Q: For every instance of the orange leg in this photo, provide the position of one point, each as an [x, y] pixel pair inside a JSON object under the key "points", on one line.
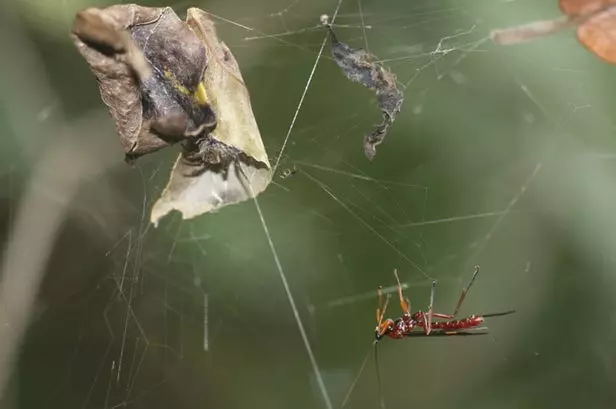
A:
{"points": [[380, 309], [384, 327], [405, 304]]}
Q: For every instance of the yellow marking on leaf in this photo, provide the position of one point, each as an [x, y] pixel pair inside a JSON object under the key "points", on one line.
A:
{"points": [[200, 94]]}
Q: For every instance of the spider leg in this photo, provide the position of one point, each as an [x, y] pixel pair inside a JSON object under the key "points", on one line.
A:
{"points": [[241, 175]]}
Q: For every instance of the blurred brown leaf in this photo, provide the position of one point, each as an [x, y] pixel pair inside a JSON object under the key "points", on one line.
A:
{"points": [[578, 7], [594, 20], [597, 32]]}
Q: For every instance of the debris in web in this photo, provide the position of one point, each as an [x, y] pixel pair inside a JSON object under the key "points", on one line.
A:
{"points": [[166, 81], [360, 66], [595, 21], [287, 173]]}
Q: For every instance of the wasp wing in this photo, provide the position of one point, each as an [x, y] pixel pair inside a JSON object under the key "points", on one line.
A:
{"points": [[444, 333]]}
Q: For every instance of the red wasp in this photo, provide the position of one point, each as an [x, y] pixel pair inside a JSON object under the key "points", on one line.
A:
{"points": [[404, 326]]}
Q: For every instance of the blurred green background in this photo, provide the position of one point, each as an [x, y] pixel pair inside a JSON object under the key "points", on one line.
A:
{"points": [[501, 156]]}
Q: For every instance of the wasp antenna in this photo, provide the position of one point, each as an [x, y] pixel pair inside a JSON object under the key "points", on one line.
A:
{"points": [[498, 314], [378, 307]]}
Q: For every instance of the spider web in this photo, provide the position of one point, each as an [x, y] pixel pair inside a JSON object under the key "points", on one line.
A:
{"points": [[501, 157]]}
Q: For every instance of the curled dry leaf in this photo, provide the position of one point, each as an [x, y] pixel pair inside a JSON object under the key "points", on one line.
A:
{"points": [[595, 21], [232, 164], [360, 66], [149, 66], [167, 81]]}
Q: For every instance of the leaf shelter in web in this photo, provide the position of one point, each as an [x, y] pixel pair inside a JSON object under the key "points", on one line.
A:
{"points": [[149, 66], [168, 81], [360, 66]]}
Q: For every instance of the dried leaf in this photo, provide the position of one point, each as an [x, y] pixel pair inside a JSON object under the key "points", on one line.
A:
{"points": [[595, 21], [167, 81], [597, 32], [579, 7], [235, 166], [154, 106], [359, 66]]}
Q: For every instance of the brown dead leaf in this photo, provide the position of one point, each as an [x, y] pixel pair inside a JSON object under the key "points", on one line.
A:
{"points": [[167, 81], [597, 32], [594, 20], [137, 86], [580, 7], [231, 165]]}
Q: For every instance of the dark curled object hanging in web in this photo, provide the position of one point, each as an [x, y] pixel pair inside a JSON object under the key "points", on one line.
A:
{"points": [[358, 65]]}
